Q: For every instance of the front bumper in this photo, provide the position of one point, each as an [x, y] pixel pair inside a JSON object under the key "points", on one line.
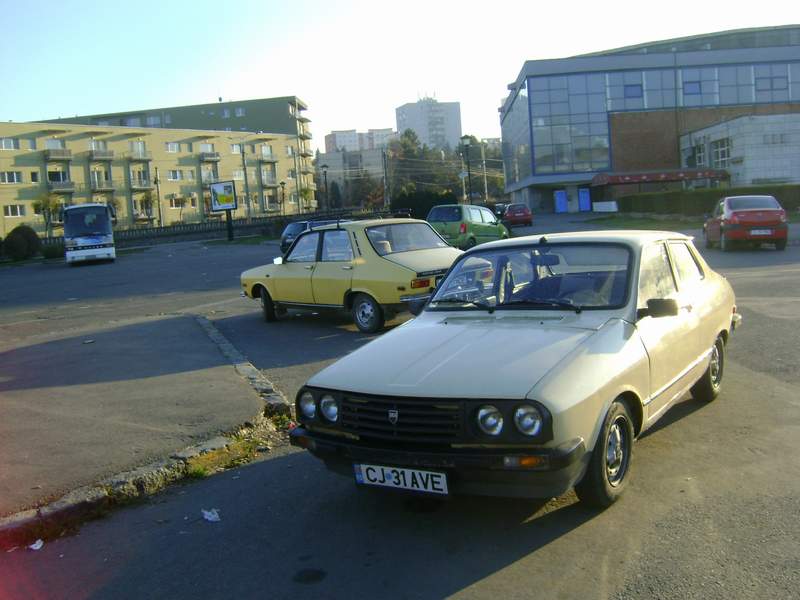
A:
{"points": [[478, 471], [99, 252]]}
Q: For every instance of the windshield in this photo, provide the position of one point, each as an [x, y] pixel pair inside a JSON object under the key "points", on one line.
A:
{"points": [[403, 237], [84, 221], [294, 228], [753, 202], [444, 214], [539, 276]]}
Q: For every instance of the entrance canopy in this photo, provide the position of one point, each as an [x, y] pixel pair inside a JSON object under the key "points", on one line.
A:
{"points": [[658, 176]]}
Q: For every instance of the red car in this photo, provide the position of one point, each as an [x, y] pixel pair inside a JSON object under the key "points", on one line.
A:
{"points": [[518, 214], [750, 219]]}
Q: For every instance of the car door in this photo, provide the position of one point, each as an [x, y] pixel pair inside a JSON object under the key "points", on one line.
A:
{"points": [[714, 224], [333, 272], [476, 224], [293, 277], [664, 338], [493, 228], [695, 298]]}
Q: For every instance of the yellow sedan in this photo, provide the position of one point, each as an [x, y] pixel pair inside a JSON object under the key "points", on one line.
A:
{"points": [[373, 269]]}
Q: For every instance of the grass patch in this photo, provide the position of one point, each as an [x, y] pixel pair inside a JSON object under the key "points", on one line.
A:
{"points": [[626, 222], [197, 472], [281, 422], [253, 240]]}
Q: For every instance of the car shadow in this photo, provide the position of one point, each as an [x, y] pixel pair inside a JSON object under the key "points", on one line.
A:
{"points": [[681, 410]]}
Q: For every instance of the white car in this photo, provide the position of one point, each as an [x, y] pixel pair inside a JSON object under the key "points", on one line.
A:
{"points": [[533, 368]]}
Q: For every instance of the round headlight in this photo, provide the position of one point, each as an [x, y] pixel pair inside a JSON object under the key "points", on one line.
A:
{"points": [[528, 420], [329, 408], [307, 405], [490, 420]]}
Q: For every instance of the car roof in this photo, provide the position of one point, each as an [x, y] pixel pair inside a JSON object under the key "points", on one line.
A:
{"points": [[85, 205], [629, 237], [350, 225], [759, 196]]}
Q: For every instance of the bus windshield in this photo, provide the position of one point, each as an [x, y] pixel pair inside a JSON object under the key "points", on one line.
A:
{"points": [[86, 221]]}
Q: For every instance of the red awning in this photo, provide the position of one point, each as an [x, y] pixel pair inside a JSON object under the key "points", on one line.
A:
{"points": [[657, 176]]}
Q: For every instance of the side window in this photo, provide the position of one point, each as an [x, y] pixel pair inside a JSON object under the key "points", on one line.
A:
{"points": [[720, 209], [488, 217], [336, 246], [305, 250], [475, 215], [689, 271], [655, 275]]}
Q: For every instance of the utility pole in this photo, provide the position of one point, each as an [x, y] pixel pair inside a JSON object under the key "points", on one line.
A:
{"points": [[466, 141], [387, 200], [157, 181], [325, 178], [483, 164], [463, 179], [246, 184]]}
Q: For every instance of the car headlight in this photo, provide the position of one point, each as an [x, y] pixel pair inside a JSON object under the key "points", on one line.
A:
{"points": [[329, 408], [528, 420], [490, 420], [307, 405]]}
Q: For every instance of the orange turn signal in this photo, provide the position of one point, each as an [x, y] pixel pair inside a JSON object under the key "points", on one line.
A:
{"points": [[420, 283]]}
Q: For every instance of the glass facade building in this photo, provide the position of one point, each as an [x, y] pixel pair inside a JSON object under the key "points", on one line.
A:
{"points": [[556, 123]]}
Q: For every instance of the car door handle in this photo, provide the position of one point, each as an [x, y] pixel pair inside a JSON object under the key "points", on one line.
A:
{"points": [[347, 268], [309, 267]]}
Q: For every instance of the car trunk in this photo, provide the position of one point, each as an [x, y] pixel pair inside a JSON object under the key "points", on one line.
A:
{"points": [[758, 216]]}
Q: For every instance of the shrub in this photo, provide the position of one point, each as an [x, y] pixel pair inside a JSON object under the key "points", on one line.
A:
{"points": [[53, 250], [22, 243], [699, 202]]}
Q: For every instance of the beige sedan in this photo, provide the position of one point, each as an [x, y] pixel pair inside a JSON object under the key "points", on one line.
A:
{"points": [[534, 367]]}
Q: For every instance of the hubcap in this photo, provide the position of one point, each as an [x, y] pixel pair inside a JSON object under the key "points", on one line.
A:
{"points": [[365, 313], [616, 452], [716, 366]]}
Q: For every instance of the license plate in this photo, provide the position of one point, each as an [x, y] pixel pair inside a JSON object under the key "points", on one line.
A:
{"points": [[761, 232], [430, 482], [91, 256]]}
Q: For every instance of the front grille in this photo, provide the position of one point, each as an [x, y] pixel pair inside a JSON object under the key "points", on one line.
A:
{"points": [[422, 420]]}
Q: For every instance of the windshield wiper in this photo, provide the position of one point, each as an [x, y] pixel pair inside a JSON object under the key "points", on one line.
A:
{"points": [[548, 302], [476, 303]]}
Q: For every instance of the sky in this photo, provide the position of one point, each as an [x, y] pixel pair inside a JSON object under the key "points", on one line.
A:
{"points": [[352, 62]]}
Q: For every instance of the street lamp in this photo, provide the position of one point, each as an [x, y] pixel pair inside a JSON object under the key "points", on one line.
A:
{"points": [[283, 198], [465, 141], [325, 178]]}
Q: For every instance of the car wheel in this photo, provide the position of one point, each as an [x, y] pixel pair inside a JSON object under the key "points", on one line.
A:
{"points": [[708, 386], [267, 307], [780, 245], [724, 243], [609, 467], [367, 314], [709, 243], [471, 243]]}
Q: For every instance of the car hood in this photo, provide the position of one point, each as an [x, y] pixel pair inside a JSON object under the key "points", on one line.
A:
{"points": [[443, 356], [420, 261]]}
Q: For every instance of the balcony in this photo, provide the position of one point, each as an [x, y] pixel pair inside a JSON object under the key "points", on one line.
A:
{"points": [[305, 135], [100, 155], [140, 155], [267, 158], [207, 181], [102, 185], [61, 187], [55, 154], [141, 183], [307, 170], [269, 181], [307, 152], [209, 157]]}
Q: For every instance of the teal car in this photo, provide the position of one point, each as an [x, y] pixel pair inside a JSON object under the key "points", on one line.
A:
{"points": [[465, 226]]}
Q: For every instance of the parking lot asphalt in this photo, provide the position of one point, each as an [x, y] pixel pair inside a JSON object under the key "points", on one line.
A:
{"points": [[711, 512]]}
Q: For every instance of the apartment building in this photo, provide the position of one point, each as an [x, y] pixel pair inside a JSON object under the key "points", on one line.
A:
{"points": [[437, 124], [352, 141], [152, 176]]}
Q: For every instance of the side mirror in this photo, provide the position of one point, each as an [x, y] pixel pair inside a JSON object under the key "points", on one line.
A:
{"points": [[660, 307], [415, 307], [278, 260]]}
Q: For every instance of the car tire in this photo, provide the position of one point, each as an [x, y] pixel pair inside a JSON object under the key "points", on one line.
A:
{"points": [[724, 243], [607, 477], [267, 307], [780, 245], [367, 313], [471, 243], [708, 386], [709, 243]]}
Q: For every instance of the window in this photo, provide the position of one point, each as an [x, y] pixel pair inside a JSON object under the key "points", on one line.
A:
{"points": [[57, 176], [766, 84], [136, 147], [236, 148], [153, 121], [226, 113], [177, 202], [190, 175], [655, 275], [103, 122], [403, 237], [54, 144], [9, 144], [488, 217], [700, 155], [132, 122], [206, 147], [305, 249], [167, 119], [32, 143], [291, 109], [252, 148], [293, 198], [633, 91], [691, 88], [721, 153], [34, 176], [10, 177], [238, 174], [291, 174], [266, 150], [776, 138], [174, 175], [173, 146], [289, 150], [475, 215], [688, 270], [98, 145], [336, 246], [239, 111], [14, 210]]}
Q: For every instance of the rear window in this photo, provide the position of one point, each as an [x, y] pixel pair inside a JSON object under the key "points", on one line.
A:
{"points": [[444, 214], [294, 228], [745, 202]]}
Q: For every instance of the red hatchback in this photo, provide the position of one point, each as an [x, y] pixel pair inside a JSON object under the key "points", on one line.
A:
{"points": [[518, 214], [750, 219]]}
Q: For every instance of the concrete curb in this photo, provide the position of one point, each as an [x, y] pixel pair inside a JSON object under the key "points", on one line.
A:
{"points": [[275, 402]]}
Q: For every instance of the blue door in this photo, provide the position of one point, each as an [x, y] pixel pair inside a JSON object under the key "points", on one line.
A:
{"points": [[561, 201], [584, 200]]}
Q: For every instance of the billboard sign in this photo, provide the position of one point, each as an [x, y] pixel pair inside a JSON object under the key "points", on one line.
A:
{"points": [[223, 196]]}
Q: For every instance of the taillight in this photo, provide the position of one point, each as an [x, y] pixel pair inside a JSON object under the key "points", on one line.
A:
{"points": [[782, 216], [733, 218], [420, 283], [463, 228]]}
